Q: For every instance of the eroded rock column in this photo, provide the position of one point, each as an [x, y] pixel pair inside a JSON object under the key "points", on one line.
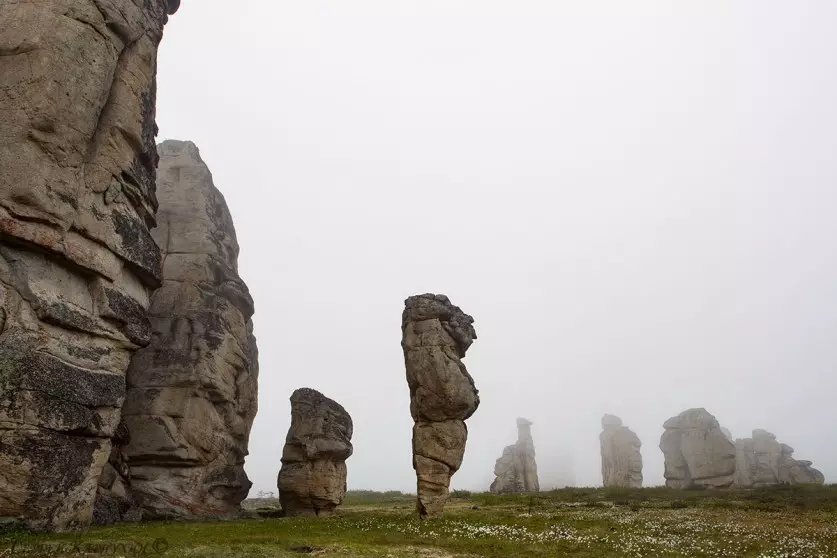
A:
{"points": [[192, 392], [516, 470], [435, 337], [312, 480], [77, 262], [697, 452], [621, 457]]}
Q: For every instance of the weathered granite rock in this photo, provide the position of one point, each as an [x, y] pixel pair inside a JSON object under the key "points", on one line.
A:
{"points": [[77, 262], [516, 470], [312, 480], [795, 471], [763, 461], [191, 396], [697, 453], [621, 457], [114, 501], [435, 337]]}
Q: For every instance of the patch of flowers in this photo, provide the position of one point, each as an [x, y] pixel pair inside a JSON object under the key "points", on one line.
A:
{"points": [[649, 533]]}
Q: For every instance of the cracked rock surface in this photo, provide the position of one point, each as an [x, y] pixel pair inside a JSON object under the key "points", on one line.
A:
{"points": [[77, 261], [191, 393], [435, 337]]}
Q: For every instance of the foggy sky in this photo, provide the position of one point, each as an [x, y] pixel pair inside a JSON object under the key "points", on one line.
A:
{"points": [[635, 200]]}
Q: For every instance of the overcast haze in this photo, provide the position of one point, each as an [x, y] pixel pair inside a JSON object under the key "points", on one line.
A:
{"points": [[635, 200]]}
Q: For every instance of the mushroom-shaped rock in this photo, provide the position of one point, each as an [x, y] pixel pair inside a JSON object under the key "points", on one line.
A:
{"points": [[621, 457], [435, 337], [312, 480]]}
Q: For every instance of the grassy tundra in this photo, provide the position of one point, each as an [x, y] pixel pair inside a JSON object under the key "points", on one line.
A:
{"points": [[776, 522]]}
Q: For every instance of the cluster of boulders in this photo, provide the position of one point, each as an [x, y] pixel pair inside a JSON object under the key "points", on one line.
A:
{"points": [[700, 453], [762, 461], [516, 470]]}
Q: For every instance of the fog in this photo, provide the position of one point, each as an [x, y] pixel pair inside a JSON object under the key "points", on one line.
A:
{"points": [[635, 200]]}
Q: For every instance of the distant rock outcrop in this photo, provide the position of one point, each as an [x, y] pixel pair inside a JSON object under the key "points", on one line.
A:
{"points": [[763, 461], [621, 457], [312, 480], [516, 470], [77, 262], [697, 453], [435, 337], [192, 392]]}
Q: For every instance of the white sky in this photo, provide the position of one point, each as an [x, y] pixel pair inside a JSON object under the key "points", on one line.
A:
{"points": [[635, 200]]}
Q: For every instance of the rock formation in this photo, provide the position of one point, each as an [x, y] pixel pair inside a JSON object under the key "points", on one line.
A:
{"points": [[697, 453], [516, 470], [795, 471], [191, 395], [77, 262], [114, 501], [312, 480], [435, 337], [763, 461], [621, 457]]}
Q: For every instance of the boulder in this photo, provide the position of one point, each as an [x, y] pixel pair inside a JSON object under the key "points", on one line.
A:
{"points": [[192, 392], [77, 260], [516, 470], [621, 457], [697, 453], [763, 461], [435, 337], [312, 480]]}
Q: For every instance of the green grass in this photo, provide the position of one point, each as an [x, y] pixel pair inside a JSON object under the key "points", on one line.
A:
{"points": [[796, 522]]}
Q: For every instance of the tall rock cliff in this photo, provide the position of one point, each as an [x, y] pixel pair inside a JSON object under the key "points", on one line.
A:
{"points": [[192, 392], [77, 262], [621, 457], [697, 452], [435, 337], [516, 470]]}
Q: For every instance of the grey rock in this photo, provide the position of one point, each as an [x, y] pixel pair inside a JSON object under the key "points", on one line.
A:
{"points": [[621, 457], [435, 337], [762, 461], [697, 453], [312, 480], [77, 260], [516, 470], [191, 394]]}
